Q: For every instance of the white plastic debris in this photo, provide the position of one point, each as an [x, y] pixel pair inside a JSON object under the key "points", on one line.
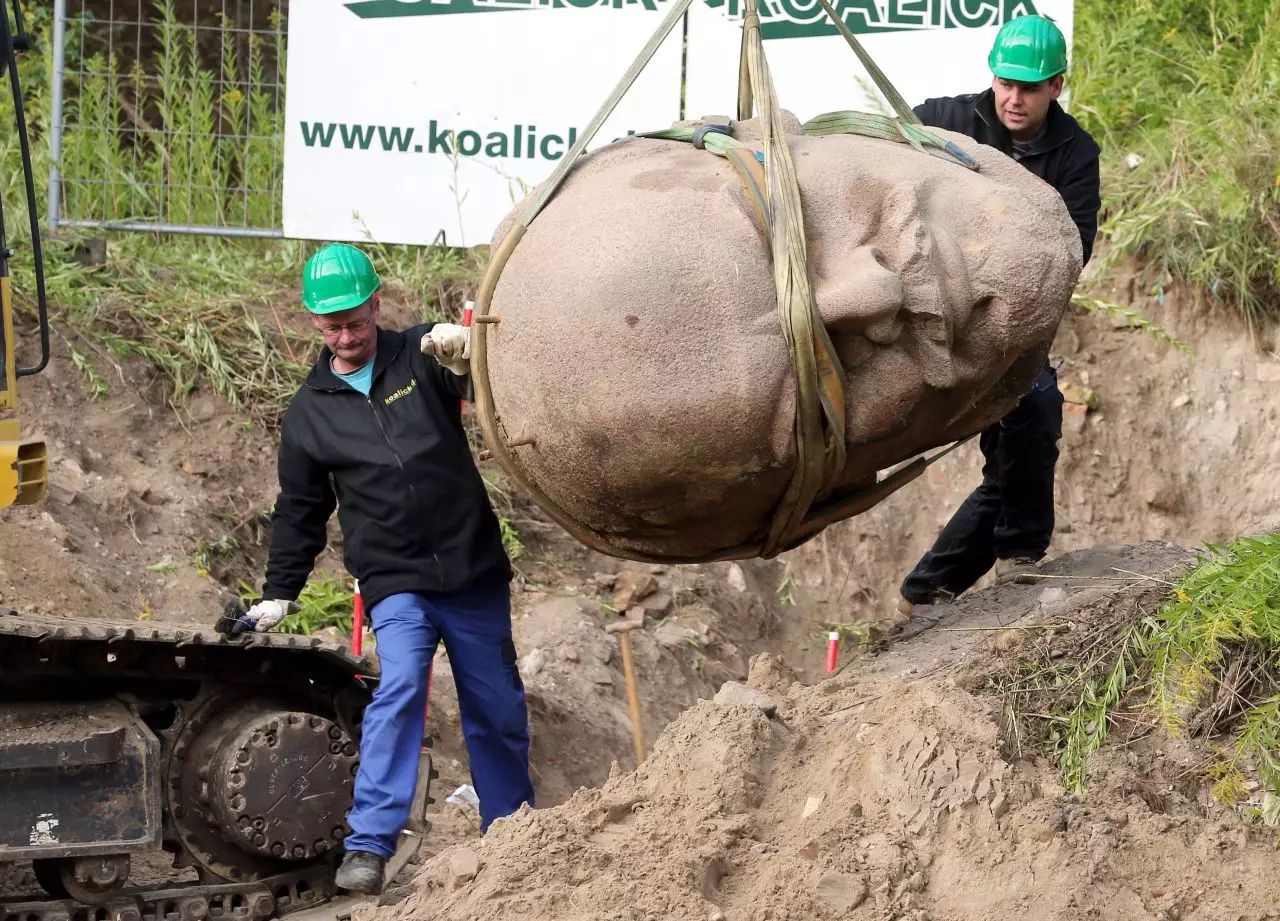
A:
{"points": [[464, 796]]}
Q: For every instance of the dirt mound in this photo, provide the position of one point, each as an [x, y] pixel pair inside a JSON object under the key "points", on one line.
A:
{"points": [[885, 791]]}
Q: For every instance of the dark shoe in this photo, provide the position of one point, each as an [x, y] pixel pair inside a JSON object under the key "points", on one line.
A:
{"points": [[1021, 569], [361, 872]]}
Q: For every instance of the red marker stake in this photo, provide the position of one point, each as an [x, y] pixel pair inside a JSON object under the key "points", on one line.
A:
{"points": [[467, 312], [833, 650], [357, 622]]}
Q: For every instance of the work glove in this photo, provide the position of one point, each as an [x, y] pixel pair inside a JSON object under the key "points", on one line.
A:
{"points": [[261, 617], [266, 614], [450, 345]]}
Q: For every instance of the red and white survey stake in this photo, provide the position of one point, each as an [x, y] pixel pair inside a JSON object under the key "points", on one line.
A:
{"points": [[833, 650], [357, 637], [468, 311], [357, 622]]}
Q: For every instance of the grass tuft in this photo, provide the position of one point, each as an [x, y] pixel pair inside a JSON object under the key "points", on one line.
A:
{"points": [[1181, 96], [1204, 665]]}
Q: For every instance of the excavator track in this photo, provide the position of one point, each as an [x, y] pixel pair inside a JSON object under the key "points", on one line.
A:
{"points": [[235, 755]]}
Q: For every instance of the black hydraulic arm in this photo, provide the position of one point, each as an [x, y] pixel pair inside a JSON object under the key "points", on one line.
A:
{"points": [[11, 42]]}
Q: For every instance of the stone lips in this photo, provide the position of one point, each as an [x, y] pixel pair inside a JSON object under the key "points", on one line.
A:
{"points": [[639, 343]]}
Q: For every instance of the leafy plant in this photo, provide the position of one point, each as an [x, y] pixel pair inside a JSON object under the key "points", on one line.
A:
{"points": [[1207, 662], [326, 601]]}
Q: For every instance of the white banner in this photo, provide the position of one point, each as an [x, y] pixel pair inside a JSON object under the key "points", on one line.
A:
{"points": [[405, 118], [408, 118], [925, 47]]}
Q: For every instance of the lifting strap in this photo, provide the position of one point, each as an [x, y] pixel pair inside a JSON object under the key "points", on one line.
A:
{"points": [[773, 192]]}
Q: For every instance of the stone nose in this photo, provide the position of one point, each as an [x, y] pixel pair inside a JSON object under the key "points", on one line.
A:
{"points": [[866, 299]]}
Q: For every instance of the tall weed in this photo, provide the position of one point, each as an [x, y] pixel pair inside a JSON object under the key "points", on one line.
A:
{"points": [[1189, 87]]}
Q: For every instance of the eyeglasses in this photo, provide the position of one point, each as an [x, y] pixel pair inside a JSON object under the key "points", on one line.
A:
{"points": [[355, 326]]}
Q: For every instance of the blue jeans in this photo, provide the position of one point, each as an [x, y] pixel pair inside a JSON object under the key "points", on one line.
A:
{"points": [[475, 625]]}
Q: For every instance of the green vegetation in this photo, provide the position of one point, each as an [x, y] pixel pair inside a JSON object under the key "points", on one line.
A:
{"points": [[1204, 664], [327, 601], [1188, 86], [194, 309]]}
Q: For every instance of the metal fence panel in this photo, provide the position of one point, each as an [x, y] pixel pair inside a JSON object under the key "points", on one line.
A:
{"points": [[167, 116]]}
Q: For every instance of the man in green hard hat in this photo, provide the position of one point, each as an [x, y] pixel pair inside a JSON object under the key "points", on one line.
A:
{"points": [[376, 432], [1008, 520]]}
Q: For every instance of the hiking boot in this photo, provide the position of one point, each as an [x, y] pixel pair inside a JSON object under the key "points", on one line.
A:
{"points": [[1020, 569], [360, 872]]}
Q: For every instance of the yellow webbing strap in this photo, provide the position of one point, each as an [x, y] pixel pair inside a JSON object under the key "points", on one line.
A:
{"points": [[820, 379]]}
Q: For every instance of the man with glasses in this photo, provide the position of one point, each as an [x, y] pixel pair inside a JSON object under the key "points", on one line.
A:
{"points": [[376, 431]]}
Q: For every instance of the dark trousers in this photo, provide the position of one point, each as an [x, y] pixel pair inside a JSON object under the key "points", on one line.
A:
{"points": [[1011, 513], [475, 626]]}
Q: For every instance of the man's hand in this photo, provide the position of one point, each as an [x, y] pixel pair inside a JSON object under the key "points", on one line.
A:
{"points": [[264, 615], [450, 345]]}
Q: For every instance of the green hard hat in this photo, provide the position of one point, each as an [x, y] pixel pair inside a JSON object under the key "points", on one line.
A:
{"points": [[1028, 49], [338, 277]]}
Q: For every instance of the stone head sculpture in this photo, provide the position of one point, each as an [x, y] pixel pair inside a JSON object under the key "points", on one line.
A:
{"points": [[638, 356]]}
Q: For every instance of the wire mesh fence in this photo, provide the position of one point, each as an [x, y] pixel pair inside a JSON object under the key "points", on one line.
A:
{"points": [[167, 115]]}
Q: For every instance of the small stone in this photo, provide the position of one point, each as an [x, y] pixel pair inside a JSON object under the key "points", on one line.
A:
{"points": [[601, 675], [674, 636], [203, 409], [715, 915], [733, 694], [569, 654], [1052, 596], [1181, 400], [632, 587], [195, 466], [605, 579], [658, 604], [841, 892], [737, 578], [71, 465], [533, 663], [464, 864], [812, 804], [63, 495]]}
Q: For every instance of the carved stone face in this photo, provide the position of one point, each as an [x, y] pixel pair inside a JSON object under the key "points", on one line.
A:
{"points": [[640, 347]]}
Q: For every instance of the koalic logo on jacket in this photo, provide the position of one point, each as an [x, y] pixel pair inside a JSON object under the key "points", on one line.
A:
{"points": [[402, 392]]}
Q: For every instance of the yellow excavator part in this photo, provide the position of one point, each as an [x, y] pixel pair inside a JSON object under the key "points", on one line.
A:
{"points": [[24, 465]]}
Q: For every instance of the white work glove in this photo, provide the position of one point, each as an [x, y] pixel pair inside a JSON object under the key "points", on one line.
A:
{"points": [[266, 614], [449, 344]]}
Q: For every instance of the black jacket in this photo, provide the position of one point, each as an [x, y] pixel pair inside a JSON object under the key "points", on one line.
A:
{"points": [[412, 505], [1065, 156]]}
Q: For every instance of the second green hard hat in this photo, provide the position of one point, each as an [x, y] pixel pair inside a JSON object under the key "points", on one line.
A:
{"points": [[338, 277], [1028, 49]]}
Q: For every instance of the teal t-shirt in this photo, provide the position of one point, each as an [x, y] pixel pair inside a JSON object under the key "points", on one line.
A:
{"points": [[361, 378]]}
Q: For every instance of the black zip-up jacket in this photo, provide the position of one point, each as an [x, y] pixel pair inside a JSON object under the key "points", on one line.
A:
{"points": [[413, 509], [1065, 155]]}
